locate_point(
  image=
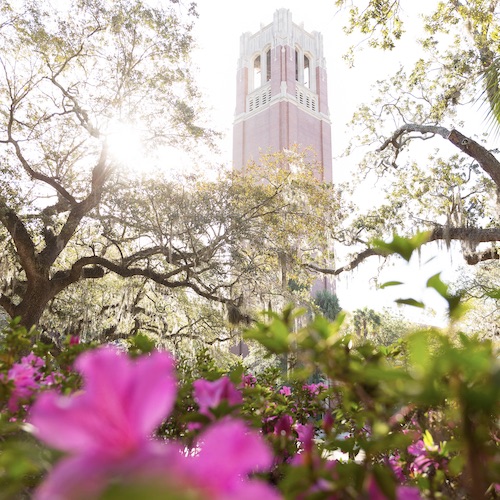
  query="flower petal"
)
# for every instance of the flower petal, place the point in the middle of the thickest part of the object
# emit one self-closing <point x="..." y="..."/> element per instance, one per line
<point x="63" y="422"/>
<point x="229" y="452"/>
<point x="75" y="478"/>
<point x="122" y="402"/>
<point x="152" y="394"/>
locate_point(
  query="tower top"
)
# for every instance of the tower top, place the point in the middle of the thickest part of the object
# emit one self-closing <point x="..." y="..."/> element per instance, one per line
<point x="282" y="32"/>
<point x="281" y="95"/>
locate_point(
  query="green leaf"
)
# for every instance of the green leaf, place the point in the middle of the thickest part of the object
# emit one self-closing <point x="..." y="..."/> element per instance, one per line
<point x="456" y="465"/>
<point x="385" y="481"/>
<point x="141" y="343"/>
<point x="410" y="302"/>
<point x="236" y="374"/>
<point x="429" y="441"/>
<point x="419" y="352"/>
<point x="390" y="283"/>
<point x="456" y="308"/>
<point x="400" y="245"/>
<point x="436" y="283"/>
<point x="274" y="337"/>
<point x="494" y="294"/>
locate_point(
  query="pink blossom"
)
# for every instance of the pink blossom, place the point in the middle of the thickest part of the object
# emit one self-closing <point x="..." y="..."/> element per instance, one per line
<point x="33" y="360"/>
<point x="229" y="453"/>
<point x="328" y="422"/>
<point x="27" y="378"/>
<point x="417" y="448"/>
<point x="394" y="462"/>
<point x="286" y="391"/>
<point x="423" y="460"/>
<point x="87" y="476"/>
<point x="402" y="492"/>
<point x="106" y="429"/>
<point x="315" y="389"/>
<point x="209" y="395"/>
<point x="407" y="493"/>
<point x="305" y="435"/>
<point x="74" y="340"/>
<point x="283" y="427"/>
<point x="122" y="402"/>
<point x="249" y="381"/>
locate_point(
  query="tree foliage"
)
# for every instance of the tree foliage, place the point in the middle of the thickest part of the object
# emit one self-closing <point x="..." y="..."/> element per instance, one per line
<point x="384" y="327"/>
<point x="328" y="304"/>
<point x="73" y="79"/>
<point x="69" y="76"/>
<point x="438" y="171"/>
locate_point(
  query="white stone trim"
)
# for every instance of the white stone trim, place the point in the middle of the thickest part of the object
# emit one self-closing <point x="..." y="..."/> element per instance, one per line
<point x="277" y="99"/>
<point x="259" y="98"/>
<point x="306" y="98"/>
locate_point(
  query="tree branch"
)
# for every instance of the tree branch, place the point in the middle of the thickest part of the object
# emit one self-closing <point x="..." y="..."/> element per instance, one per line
<point x="57" y="244"/>
<point x="439" y="233"/>
<point x="21" y="238"/>
<point x="361" y="257"/>
<point x="64" y="278"/>
<point x="471" y="148"/>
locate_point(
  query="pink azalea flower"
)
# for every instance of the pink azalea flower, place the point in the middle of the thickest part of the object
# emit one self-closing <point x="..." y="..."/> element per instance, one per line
<point x="286" y="391"/>
<point x="209" y="395"/>
<point x="122" y="403"/>
<point x="107" y="427"/>
<point x="86" y="476"/>
<point x="417" y="448"/>
<point x="305" y="436"/>
<point x="283" y="427"/>
<point x="423" y="460"/>
<point x="394" y="462"/>
<point x="402" y="492"/>
<point x="229" y="453"/>
<point x="328" y="422"/>
<point x="315" y="389"/>
<point x="33" y="360"/>
<point x="249" y="380"/>
<point x="74" y="340"/>
<point x="27" y="378"/>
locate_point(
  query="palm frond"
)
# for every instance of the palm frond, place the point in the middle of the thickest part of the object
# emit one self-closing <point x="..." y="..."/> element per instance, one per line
<point x="491" y="96"/>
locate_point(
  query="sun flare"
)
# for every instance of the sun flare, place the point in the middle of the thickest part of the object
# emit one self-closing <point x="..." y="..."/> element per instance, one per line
<point x="127" y="148"/>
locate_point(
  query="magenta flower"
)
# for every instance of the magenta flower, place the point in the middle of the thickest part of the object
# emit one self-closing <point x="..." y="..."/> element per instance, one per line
<point x="107" y="431"/>
<point x="229" y="453"/>
<point x="328" y="422"/>
<point x="424" y="458"/>
<point x="417" y="448"/>
<point x="74" y="340"/>
<point x="122" y="403"/>
<point x="249" y="380"/>
<point x="283" y="427"/>
<point x="27" y="378"/>
<point x="33" y="360"/>
<point x="209" y="395"/>
<point x="402" y="492"/>
<point x="315" y="389"/>
<point x="394" y="462"/>
<point x="109" y="422"/>
<point x="286" y="391"/>
<point x="25" y="384"/>
<point x="305" y="435"/>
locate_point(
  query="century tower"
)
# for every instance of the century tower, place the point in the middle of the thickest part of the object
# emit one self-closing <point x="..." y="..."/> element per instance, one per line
<point x="281" y="94"/>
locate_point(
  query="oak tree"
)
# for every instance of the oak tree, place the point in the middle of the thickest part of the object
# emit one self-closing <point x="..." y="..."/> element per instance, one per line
<point x="439" y="169"/>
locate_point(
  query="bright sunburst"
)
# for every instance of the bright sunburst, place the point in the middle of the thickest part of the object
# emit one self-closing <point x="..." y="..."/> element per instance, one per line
<point x="127" y="148"/>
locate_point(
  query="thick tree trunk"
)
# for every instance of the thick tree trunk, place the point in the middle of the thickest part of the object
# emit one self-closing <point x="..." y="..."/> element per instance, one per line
<point x="34" y="302"/>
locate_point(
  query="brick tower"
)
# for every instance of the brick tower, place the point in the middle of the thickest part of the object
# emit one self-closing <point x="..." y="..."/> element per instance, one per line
<point x="281" y="94"/>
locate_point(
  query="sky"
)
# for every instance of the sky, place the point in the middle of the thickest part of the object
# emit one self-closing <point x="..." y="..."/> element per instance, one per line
<point x="218" y="30"/>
